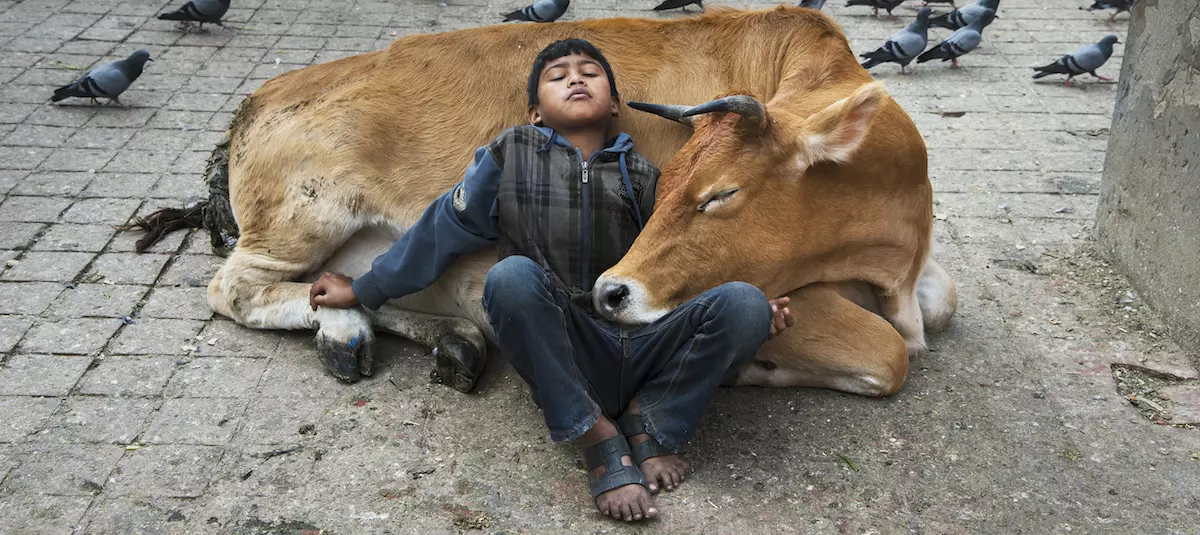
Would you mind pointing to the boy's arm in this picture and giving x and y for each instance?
(461, 221)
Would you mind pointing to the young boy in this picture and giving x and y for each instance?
(564, 201)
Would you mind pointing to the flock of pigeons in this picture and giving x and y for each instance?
(968, 23)
(110, 80)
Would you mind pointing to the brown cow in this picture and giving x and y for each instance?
(326, 166)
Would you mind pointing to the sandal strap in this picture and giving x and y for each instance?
(647, 450)
(608, 453)
(632, 424)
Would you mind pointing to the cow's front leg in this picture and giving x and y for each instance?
(835, 344)
(245, 289)
(459, 347)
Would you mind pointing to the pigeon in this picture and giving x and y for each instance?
(540, 11)
(964, 15)
(200, 11)
(1118, 5)
(903, 47)
(107, 81)
(889, 5)
(960, 42)
(1084, 59)
(813, 4)
(672, 4)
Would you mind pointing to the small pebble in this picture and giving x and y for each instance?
(12, 263)
(1039, 395)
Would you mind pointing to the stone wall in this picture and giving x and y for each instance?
(1149, 215)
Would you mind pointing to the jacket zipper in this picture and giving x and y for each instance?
(586, 224)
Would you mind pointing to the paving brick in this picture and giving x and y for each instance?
(53, 183)
(33, 209)
(234, 340)
(12, 328)
(195, 421)
(175, 471)
(74, 238)
(216, 377)
(90, 137)
(150, 336)
(276, 420)
(192, 270)
(128, 375)
(97, 300)
(99, 420)
(14, 235)
(259, 470)
(144, 516)
(76, 336)
(23, 415)
(37, 136)
(122, 184)
(68, 470)
(127, 268)
(182, 303)
(41, 375)
(31, 297)
(47, 266)
(106, 211)
(76, 160)
(42, 515)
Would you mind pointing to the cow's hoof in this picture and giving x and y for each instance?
(348, 361)
(457, 363)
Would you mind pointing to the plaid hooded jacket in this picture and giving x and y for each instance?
(532, 193)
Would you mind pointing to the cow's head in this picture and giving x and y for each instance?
(732, 200)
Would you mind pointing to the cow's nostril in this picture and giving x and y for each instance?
(616, 296)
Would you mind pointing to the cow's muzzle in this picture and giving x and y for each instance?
(623, 300)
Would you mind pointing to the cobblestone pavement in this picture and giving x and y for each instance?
(126, 406)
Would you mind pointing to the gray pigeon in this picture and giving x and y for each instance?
(200, 11)
(813, 4)
(963, 16)
(106, 81)
(960, 42)
(1118, 5)
(540, 11)
(903, 47)
(888, 5)
(1084, 59)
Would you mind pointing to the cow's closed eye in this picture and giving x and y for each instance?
(716, 200)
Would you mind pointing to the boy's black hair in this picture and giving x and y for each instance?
(563, 48)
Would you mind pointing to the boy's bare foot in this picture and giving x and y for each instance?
(627, 502)
(665, 472)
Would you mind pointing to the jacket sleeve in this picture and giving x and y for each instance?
(461, 221)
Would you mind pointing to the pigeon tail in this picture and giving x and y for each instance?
(176, 15)
(515, 15)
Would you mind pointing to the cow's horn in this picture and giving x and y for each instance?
(744, 105)
(673, 112)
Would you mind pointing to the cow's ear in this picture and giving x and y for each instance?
(834, 133)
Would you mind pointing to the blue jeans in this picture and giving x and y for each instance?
(579, 367)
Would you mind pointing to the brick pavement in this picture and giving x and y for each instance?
(126, 406)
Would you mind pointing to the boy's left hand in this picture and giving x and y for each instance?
(781, 316)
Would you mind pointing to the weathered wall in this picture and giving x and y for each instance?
(1149, 216)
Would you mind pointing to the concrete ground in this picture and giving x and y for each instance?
(1054, 404)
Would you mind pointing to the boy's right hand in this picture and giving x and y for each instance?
(332, 290)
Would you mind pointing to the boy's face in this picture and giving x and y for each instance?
(573, 92)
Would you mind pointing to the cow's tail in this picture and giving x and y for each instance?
(214, 213)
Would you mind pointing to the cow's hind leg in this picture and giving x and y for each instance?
(835, 343)
(459, 348)
(254, 289)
